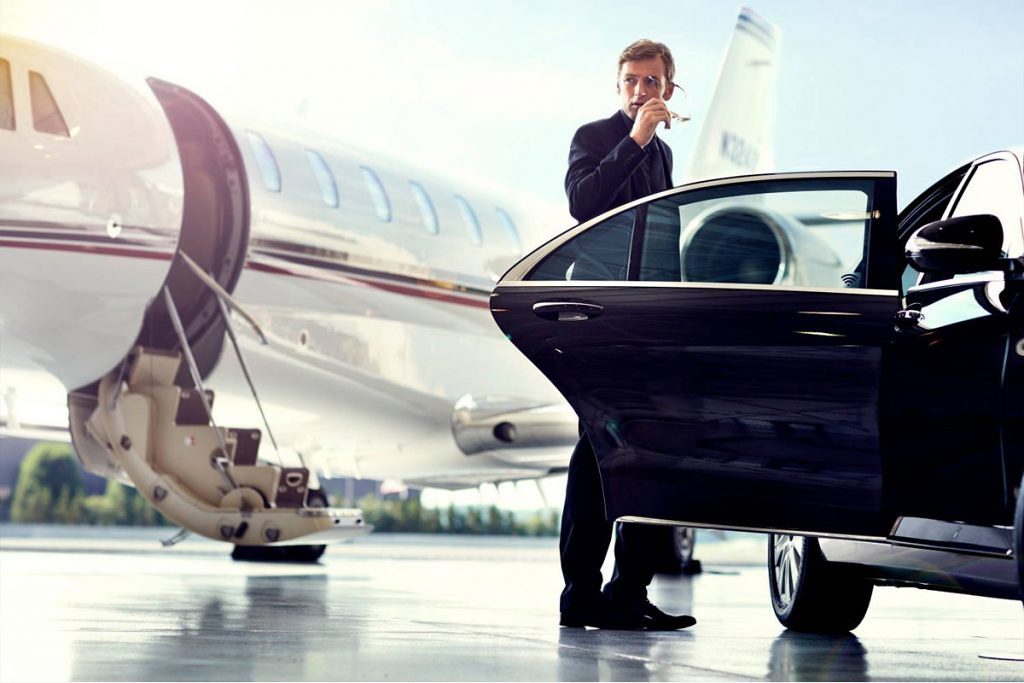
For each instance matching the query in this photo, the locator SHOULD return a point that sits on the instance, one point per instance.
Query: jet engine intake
(756, 246)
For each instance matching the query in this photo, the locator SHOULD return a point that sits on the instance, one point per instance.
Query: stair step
(247, 445)
(191, 410)
(291, 491)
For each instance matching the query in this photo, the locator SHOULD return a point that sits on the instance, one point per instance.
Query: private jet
(230, 309)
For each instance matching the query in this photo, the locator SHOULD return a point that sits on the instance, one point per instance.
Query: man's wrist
(641, 145)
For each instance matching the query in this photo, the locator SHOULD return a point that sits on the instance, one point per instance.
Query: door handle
(566, 311)
(908, 318)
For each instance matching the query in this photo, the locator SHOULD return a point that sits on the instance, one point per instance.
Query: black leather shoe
(631, 616)
(601, 614)
(660, 621)
(603, 618)
(653, 619)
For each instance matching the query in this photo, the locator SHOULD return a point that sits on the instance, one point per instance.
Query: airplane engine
(745, 244)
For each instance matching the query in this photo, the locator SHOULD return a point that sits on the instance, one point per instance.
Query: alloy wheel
(788, 559)
(684, 537)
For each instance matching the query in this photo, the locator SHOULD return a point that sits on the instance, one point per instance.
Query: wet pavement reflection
(813, 657)
(425, 609)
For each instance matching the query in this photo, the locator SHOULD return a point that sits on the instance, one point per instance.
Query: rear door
(722, 344)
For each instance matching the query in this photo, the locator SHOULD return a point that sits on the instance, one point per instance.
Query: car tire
(1018, 537)
(808, 592)
(674, 556)
(303, 554)
(685, 540)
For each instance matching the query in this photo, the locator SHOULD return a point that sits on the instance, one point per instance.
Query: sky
(494, 91)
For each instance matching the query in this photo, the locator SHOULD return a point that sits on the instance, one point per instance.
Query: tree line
(50, 489)
(410, 516)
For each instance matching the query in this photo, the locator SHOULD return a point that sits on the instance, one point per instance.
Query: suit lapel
(664, 163)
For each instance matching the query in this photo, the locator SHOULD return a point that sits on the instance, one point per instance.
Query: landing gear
(303, 554)
(677, 556)
(809, 593)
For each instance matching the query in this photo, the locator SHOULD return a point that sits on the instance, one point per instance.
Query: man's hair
(648, 49)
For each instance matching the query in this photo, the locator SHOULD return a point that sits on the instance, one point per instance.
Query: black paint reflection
(799, 656)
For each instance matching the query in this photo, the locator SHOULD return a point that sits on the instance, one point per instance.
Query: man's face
(642, 80)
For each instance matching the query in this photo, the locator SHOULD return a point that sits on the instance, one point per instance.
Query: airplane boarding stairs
(203, 477)
(142, 428)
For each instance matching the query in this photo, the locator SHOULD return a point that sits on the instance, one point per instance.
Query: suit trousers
(586, 533)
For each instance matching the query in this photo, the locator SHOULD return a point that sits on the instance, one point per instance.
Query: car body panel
(725, 405)
(887, 419)
(732, 404)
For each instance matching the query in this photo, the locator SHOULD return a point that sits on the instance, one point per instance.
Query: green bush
(121, 505)
(409, 516)
(49, 486)
(50, 490)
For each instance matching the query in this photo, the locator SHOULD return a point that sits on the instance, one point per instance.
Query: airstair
(206, 478)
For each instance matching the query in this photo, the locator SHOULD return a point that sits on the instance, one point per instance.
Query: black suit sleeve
(594, 180)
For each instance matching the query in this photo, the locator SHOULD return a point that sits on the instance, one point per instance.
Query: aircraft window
(426, 207)
(377, 193)
(600, 253)
(510, 228)
(324, 178)
(46, 116)
(472, 223)
(6, 96)
(265, 161)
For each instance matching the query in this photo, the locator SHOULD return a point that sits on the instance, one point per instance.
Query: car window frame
(920, 212)
(998, 158)
(883, 268)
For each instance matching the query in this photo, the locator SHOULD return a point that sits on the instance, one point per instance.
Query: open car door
(722, 343)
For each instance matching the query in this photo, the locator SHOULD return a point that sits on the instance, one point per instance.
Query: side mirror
(968, 244)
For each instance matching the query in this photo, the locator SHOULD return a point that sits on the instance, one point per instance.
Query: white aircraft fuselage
(369, 280)
(383, 360)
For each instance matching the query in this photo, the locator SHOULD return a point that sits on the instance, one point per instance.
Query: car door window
(601, 253)
(995, 188)
(802, 236)
(824, 230)
(926, 208)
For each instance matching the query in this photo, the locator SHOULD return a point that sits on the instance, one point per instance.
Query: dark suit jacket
(604, 167)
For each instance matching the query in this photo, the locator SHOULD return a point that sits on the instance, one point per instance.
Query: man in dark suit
(613, 161)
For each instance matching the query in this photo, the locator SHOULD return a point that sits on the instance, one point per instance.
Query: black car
(785, 353)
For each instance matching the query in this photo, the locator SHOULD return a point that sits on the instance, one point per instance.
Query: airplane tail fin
(738, 135)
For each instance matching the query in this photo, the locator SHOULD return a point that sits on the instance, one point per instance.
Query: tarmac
(89, 604)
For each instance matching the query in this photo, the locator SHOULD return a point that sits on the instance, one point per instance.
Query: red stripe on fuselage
(413, 289)
(306, 272)
(89, 249)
